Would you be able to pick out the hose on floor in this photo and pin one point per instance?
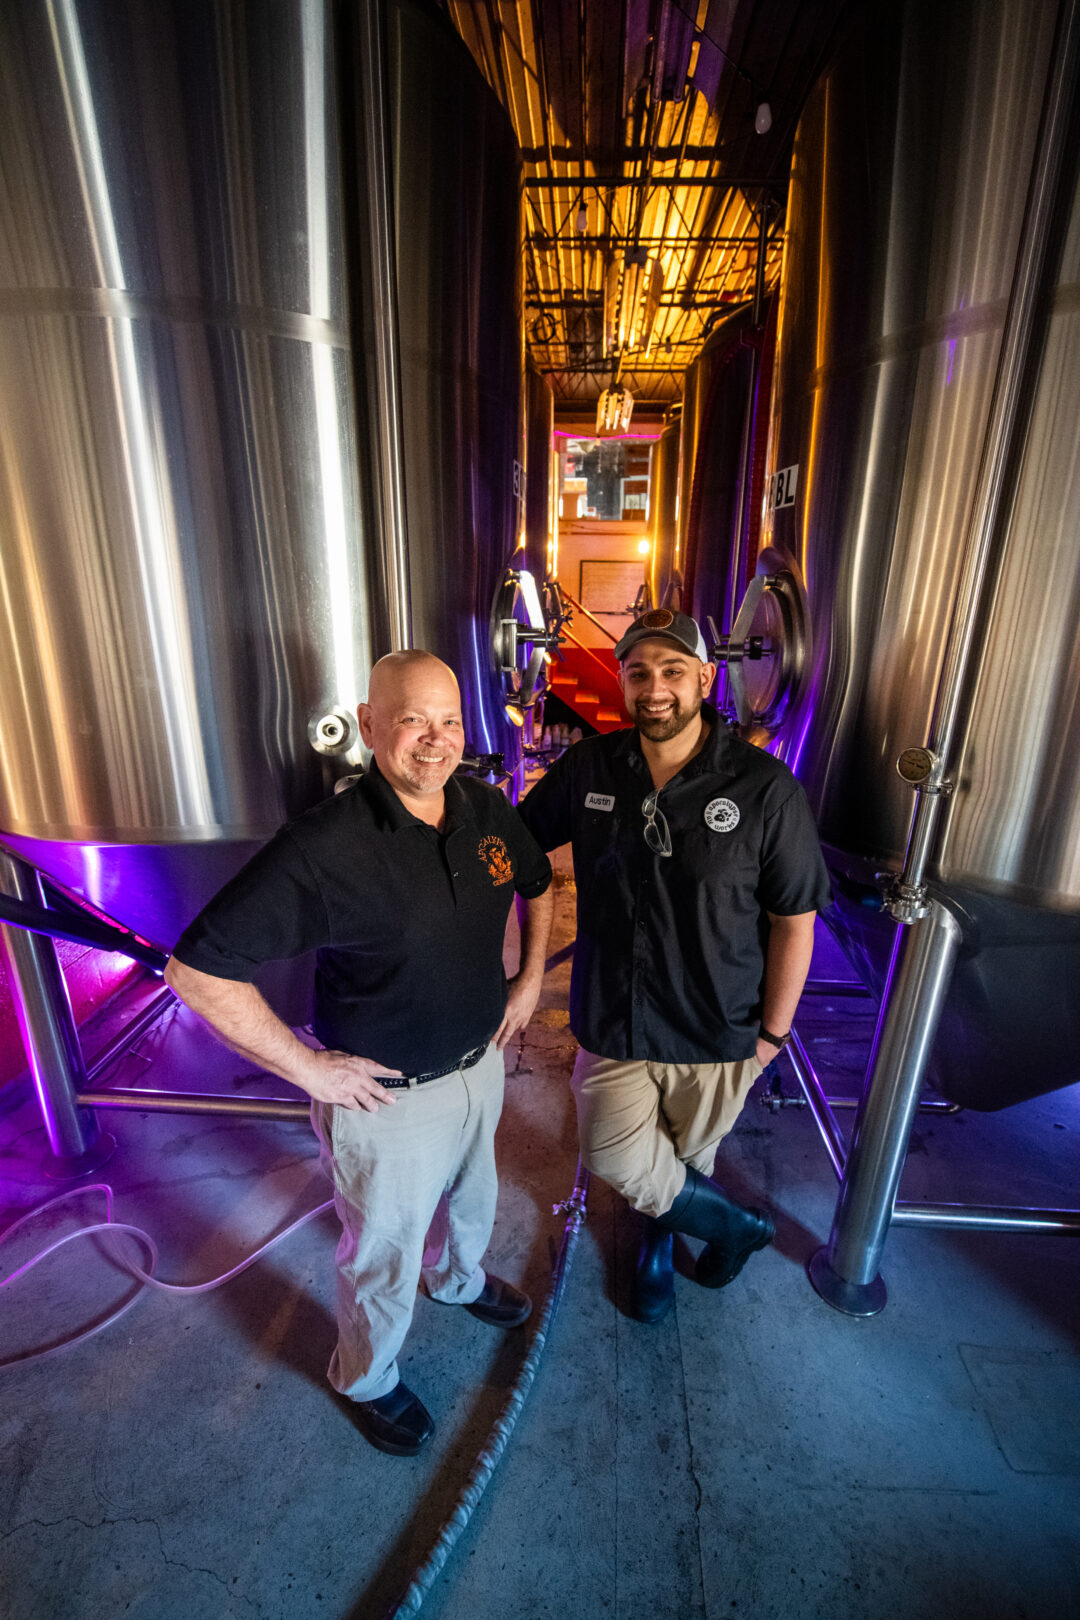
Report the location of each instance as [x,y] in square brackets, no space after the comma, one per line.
[424,1576]
[110,1228]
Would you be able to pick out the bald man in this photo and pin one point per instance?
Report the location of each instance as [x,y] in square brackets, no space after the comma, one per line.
[402,884]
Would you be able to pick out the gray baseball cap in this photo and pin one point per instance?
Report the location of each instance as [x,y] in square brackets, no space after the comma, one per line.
[670,626]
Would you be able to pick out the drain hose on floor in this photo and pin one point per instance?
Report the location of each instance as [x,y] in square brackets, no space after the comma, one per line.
[423,1578]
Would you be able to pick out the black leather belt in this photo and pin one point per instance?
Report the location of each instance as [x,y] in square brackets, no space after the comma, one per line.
[396,1082]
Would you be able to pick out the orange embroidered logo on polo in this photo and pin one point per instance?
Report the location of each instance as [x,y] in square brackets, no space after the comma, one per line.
[496,857]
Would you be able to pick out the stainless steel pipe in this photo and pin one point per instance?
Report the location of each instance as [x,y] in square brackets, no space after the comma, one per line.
[194,1102]
[820,1105]
[133,1030]
[845,1272]
[76,1143]
[987,1218]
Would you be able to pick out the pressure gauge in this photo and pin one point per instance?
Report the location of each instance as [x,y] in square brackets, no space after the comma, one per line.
[917,766]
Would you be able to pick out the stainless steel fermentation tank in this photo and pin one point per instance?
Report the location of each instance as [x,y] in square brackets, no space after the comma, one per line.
[717,418]
[260,388]
[710,463]
[664,578]
[922,534]
[194,562]
[539,468]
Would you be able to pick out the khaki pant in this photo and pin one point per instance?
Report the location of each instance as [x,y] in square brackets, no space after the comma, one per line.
[641,1123]
[391,1171]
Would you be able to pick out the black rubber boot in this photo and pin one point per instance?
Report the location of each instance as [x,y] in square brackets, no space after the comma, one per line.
[731,1233]
[654,1279]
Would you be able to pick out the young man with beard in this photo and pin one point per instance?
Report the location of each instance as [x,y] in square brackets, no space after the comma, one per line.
[699,875]
[402,883]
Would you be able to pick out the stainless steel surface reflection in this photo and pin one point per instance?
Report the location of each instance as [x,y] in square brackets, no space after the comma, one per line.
[910,172]
[664,513]
[539,459]
[714,422]
[183,576]
[909,177]
[457,193]
[192,574]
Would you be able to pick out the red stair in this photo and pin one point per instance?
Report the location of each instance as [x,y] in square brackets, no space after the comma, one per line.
[586,680]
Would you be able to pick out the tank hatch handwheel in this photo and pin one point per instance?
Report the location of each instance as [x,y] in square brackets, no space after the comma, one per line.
[766,648]
[520,637]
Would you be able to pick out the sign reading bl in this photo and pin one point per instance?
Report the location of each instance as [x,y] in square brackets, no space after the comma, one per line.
[780,490]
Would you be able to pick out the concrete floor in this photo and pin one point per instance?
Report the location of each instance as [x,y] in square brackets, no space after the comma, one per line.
[756,1454]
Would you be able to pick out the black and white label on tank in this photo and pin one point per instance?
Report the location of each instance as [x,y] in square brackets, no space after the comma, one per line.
[780,490]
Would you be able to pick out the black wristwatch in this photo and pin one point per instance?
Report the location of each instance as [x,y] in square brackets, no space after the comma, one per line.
[779,1041]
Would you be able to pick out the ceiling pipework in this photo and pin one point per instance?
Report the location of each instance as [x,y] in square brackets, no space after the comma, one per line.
[653,178]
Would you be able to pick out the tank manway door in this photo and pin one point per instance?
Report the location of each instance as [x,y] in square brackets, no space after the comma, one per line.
[767,647]
[520,638]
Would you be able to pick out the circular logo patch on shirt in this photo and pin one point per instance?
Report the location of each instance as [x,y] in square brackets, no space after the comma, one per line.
[721,815]
[496,857]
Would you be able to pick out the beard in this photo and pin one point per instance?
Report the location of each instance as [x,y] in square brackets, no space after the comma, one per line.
[426,776]
[661,728]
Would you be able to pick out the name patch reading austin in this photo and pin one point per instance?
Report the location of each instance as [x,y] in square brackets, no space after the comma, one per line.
[599,801]
[721,815]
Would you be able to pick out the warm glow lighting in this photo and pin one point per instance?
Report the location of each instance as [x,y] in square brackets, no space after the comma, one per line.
[644,547]
[614,409]
[514,714]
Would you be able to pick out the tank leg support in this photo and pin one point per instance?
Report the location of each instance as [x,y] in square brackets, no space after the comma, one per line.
[845,1273]
[76,1144]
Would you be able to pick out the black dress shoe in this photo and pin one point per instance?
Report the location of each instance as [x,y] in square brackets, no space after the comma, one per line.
[398,1422]
[731,1233]
[654,1280]
[501,1304]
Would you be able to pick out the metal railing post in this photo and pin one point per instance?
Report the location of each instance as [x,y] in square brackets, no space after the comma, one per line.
[845,1273]
[76,1143]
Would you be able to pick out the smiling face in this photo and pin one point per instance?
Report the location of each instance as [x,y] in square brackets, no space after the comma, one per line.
[412,722]
[663,687]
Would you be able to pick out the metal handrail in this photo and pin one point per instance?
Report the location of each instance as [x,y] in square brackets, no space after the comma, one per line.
[601,627]
[599,662]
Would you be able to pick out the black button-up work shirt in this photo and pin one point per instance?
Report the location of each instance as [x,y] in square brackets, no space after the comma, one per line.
[670,957]
[408,922]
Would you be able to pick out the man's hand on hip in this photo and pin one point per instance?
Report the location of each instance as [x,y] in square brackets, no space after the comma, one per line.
[350,1082]
[766,1051]
[520,1004]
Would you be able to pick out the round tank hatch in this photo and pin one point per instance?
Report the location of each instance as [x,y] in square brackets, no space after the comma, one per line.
[767,648]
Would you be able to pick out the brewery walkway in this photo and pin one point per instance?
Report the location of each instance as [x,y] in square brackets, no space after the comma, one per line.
[755,1455]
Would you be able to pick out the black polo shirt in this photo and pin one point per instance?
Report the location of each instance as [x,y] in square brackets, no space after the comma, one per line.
[670,956]
[408,922]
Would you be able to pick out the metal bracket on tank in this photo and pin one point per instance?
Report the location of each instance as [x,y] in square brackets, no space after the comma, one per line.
[906,897]
[334,732]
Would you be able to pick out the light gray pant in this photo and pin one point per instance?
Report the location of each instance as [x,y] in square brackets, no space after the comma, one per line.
[390,1171]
